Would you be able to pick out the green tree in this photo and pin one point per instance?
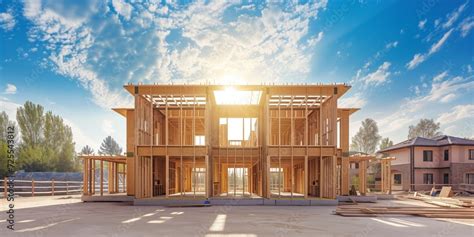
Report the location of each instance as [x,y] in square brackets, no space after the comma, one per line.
[426,128]
[58,140]
[87,150]
[5,122]
[110,147]
[385,143]
[30,119]
[367,138]
[47,142]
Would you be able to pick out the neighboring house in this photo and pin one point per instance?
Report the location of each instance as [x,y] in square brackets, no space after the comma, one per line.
[422,162]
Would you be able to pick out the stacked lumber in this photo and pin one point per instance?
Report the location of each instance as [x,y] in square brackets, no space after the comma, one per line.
[430,212]
[442,201]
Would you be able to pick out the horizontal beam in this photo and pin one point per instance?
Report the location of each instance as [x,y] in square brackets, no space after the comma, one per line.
[327,90]
[301,151]
[172,151]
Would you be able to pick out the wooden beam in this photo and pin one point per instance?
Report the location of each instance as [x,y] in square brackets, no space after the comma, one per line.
[101,178]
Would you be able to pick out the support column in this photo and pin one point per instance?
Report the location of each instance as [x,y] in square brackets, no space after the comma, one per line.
[101,178]
[116,176]
[305,177]
[93,176]
[362,177]
[167,173]
[207,176]
[344,142]
[84,178]
[109,178]
[267,174]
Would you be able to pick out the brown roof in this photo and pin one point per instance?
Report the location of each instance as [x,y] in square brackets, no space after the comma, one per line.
[442,140]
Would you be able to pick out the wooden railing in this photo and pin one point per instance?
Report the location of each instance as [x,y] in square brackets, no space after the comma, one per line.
[42,187]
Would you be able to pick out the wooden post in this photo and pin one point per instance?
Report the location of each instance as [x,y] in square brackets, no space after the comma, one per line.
[5,187]
[52,187]
[89,176]
[93,175]
[267,174]
[124,169]
[101,178]
[389,176]
[167,173]
[84,178]
[344,142]
[116,185]
[109,178]
[362,177]
[32,187]
[207,175]
[305,177]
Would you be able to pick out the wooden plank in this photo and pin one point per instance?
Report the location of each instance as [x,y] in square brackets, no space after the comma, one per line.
[446,192]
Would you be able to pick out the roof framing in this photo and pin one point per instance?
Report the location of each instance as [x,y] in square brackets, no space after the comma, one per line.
[287,89]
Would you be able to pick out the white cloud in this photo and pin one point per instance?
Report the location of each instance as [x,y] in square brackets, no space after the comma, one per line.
[204,47]
[314,40]
[7,21]
[422,105]
[355,101]
[108,127]
[68,41]
[422,23]
[123,8]
[379,77]
[457,113]
[453,16]
[10,89]
[32,8]
[469,68]
[466,26]
[435,47]
[440,76]
[390,45]
[447,98]
[253,47]
[419,58]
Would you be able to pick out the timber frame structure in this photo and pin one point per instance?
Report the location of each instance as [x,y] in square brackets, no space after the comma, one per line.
[227,141]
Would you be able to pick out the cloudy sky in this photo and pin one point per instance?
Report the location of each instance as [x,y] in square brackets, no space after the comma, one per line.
[405,60]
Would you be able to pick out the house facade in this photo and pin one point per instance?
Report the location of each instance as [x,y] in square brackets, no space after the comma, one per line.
[216,141]
[421,163]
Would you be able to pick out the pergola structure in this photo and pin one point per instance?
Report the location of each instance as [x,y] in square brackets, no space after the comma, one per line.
[114,163]
[386,170]
[227,141]
[385,163]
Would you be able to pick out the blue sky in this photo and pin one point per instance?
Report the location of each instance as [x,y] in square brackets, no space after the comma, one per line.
[406,60]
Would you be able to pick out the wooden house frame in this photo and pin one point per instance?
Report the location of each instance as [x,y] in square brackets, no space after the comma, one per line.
[252,141]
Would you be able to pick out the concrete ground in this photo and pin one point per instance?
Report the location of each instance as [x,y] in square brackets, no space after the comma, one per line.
[59,216]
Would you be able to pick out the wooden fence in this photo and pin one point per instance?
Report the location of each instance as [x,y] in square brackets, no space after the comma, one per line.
[43,187]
